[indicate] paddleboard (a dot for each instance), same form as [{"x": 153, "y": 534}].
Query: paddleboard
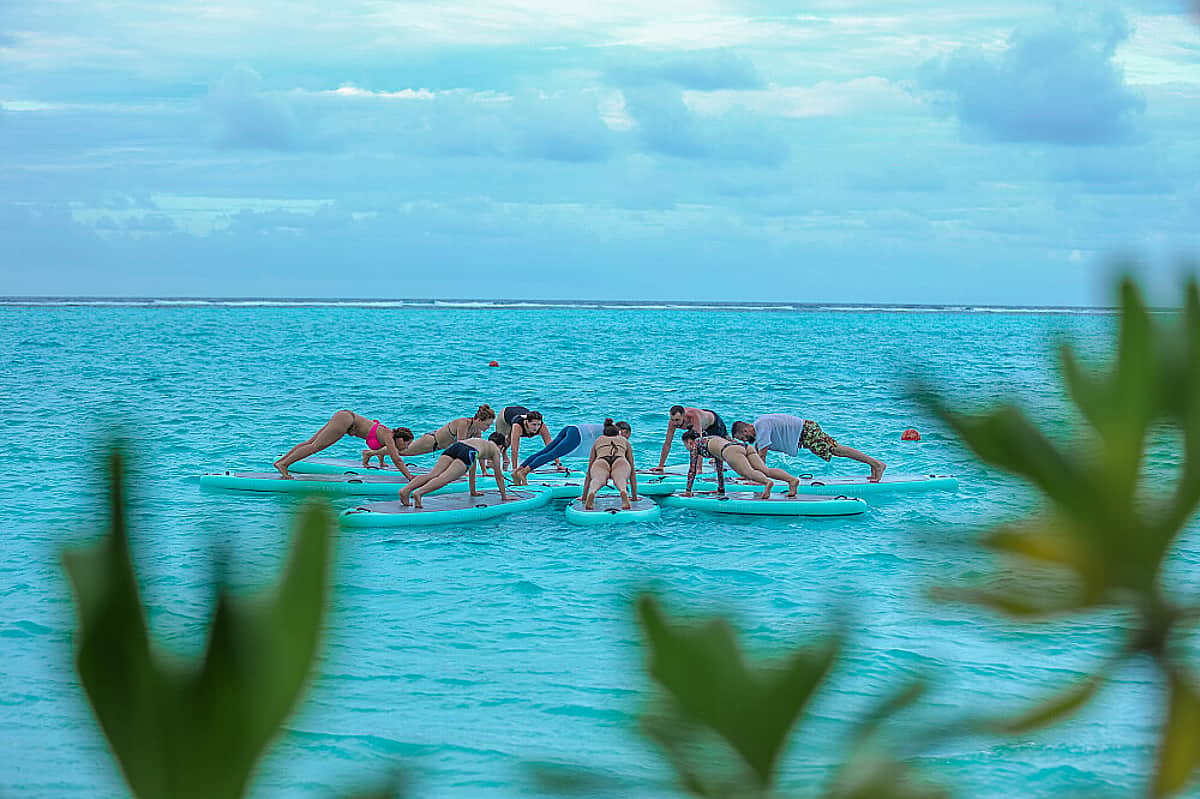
[
  {"x": 359, "y": 485},
  {"x": 569, "y": 487},
  {"x": 848, "y": 485},
  {"x": 776, "y": 505},
  {"x": 458, "y": 507},
  {"x": 347, "y": 466},
  {"x": 608, "y": 510}
]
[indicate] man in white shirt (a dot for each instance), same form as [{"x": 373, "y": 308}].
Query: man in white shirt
[{"x": 785, "y": 433}]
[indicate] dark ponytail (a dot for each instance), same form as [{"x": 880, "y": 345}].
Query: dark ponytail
[
  {"x": 610, "y": 428},
  {"x": 624, "y": 427},
  {"x": 499, "y": 440}
]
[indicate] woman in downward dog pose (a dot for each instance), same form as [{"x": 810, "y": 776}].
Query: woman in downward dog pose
[
  {"x": 459, "y": 458},
  {"x": 388, "y": 441},
  {"x": 458, "y": 429},
  {"x": 611, "y": 458},
  {"x": 742, "y": 458},
  {"x": 516, "y": 422}
]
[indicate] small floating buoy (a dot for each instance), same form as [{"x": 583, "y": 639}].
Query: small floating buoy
[
  {"x": 910, "y": 435},
  {"x": 493, "y": 363}
]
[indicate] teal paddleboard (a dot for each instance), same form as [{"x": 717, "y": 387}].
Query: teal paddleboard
[
  {"x": 460, "y": 507},
  {"x": 776, "y": 505},
  {"x": 607, "y": 510},
  {"x": 354, "y": 485},
  {"x": 851, "y": 486}
]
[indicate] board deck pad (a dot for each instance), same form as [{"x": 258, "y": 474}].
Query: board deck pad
[
  {"x": 775, "y": 505},
  {"x": 319, "y": 465},
  {"x": 273, "y": 482},
  {"x": 442, "y": 502},
  {"x": 851, "y": 485},
  {"x": 606, "y": 503}
]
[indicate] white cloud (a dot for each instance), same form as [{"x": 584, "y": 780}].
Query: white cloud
[{"x": 825, "y": 99}]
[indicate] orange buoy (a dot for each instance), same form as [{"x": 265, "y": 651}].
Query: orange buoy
[
  {"x": 493, "y": 363},
  {"x": 910, "y": 435}
]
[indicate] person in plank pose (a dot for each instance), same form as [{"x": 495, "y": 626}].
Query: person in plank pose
[
  {"x": 785, "y": 433},
  {"x": 572, "y": 439},
  {"x": 611, "y": 458},
  {"x": 388, "y": 441},
  {"x": 701, "y": 421},
  {"x": 454, "y": 430},
  {"x": 742, "y": 458},
  {"x": 458, "y": 459},
  {"x": 516, "y": 422}
]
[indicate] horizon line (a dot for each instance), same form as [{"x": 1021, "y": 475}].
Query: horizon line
[{"x": 18, "y": 298}]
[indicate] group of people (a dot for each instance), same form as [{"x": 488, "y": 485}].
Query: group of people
[{"x": 610, "y": 456}]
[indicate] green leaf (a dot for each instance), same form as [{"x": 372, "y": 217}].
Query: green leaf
[
  {"x": 1179, "y": 748},
  {"x": 873, "y": 776},
  {"x": 752, "y": 710},
  {"x": 1054, "y": 708},
  {"x": 196, "y": 730},
  {"x": 1021, "y": 603},
  {"x": 903, "y": 697}
]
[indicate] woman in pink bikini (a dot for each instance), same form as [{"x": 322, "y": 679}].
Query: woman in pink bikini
[{"x": 348, "y": 423}]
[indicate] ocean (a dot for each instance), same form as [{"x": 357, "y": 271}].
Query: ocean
[{"x": 461, "y": 655}]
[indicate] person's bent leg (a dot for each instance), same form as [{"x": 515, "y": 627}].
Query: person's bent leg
[
  {"x": 877, "y": 466},
  {"x": 597, "y": 479},
  {"x": 757, "y": 462},
  {"x": 620, "y": 478},
  {"x": 331, "y": 432},
  {"x": 421, "y": 479},
  {"x": 453, "y": 470},
  {"x": 738, "y": 461},
  {"x": 567, "y": 439}
]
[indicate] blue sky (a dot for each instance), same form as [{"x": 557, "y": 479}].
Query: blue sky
[{"x": 830, "y": 151}]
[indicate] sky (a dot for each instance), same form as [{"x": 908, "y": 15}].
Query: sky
[{"x": 859, "y": 151}]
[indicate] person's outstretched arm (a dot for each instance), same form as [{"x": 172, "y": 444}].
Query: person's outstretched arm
[
  {"x": 666, "y": 448},
  {"x": 394, "y": 454},
  {"x": 515, "y": 460},
  {"x": 692, "y": 468},
  {"x": 499, "y": 479},
  {"x": 471, "y": 480},
  {"x": 632, "y": 472}
]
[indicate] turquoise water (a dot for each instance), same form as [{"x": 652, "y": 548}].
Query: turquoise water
[{"x": 458, "y": 655}]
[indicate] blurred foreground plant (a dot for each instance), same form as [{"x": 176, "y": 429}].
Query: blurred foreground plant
[
  {"x": 723, "y": 722},
  {"x": 1103, "y": 536},
  {"x": 196, "y": 729}
]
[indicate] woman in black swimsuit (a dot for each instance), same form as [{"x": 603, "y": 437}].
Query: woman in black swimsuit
[
  {"x": 458, "y": 459},
  {"x": 611, "y": 458},
  {"x": 516, "y": 422},
  {"x": 454, "y": 430}
]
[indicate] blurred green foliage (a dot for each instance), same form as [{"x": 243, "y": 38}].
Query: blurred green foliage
[
  {"x": 1105, "y": 531},
  {"x": 723, "y": 721},
  {"x": 195, "y": 729}
]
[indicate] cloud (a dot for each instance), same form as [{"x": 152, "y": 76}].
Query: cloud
[
  {"x": 1055, "y": 83},
  {"x": 704, "y": 70},
  {"x": 666, "y": 126},
  {"x": 247, "y": 117}
]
